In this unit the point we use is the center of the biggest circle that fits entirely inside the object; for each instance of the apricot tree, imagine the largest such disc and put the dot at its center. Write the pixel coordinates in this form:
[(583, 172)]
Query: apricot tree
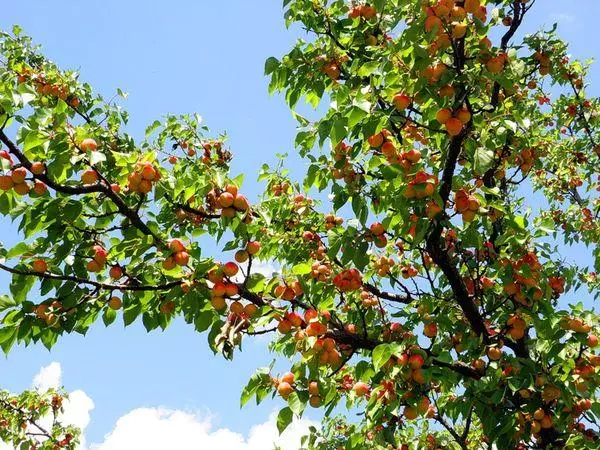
[(426, 293)]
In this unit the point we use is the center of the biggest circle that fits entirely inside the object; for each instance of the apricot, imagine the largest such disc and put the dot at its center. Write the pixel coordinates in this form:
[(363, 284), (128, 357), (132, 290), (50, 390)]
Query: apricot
[(39, 266), (361, 389), (430, 330), (89, 177), (241, 203), (241, 256), (443, 115), (453, 126), (175, 245), (401, 101), (253, 247), (410, 413), (230, 269), (284, 389), (181, 258), (169, 263), (38, 168), (39, 188), (314, 401), (18, 175), (115, 303), (416, 361), (88, 144), (6, 183), (375, 140), (218, 303)]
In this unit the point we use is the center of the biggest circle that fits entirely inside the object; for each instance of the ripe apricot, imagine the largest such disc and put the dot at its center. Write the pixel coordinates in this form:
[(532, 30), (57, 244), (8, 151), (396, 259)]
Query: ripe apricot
[(115, 303), (39, 266), (88, 144)]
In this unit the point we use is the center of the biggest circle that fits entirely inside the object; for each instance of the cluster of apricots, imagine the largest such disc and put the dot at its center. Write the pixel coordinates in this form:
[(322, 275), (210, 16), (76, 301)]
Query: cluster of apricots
[(522, 285), (453, 121), (465, 204), (98, 261), (407, 271), (421, 185), (368, 300), (332, 221), (544, 60), (577, 325), (366, 11), (326, 352), (279, 189), (45, 87), (341, 152), (321, 270), (516, 327), (230, 201), (16, 179), (348, 280), (525, 159), (495, 64), (178, 255), (377, 234), (383, 265), (331, 66), (238, 309), (288, 291), (142, 179), (449, 20)]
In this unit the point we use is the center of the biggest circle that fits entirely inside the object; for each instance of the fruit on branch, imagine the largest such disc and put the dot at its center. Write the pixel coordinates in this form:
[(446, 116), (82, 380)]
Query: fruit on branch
[(116, 272), (454, 126), (88, 145), (39, 266), (401, 101), (38, 168), (143, 177), (253, 247), (18, 175), (230, 269), (6, 183), (89, 176), (361, 389), (115, 303), (176, 246), (241, 256), (348, 280), (284, 389), (430, 330), (167, 307), (39, 188)]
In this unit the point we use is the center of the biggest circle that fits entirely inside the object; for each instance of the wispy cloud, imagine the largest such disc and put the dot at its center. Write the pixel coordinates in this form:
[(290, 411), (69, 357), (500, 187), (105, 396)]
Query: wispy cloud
[(562, 18)]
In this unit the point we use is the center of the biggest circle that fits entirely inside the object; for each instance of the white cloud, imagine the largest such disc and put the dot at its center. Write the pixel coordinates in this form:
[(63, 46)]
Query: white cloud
[(162, 428), (48, 377), (562, 18), (266, 268), (159, 428)]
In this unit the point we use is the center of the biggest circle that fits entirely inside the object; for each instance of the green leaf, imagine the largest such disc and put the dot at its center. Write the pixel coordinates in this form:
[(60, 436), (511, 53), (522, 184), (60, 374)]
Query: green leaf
[(284, 418), (381, 355), (297, 403), (6, 302), (18, 250), (301, 269), (483, 160), (271, 64), (109, 316)]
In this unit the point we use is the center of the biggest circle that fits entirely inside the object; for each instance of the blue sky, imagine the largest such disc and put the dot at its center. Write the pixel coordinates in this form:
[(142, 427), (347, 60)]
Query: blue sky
[(175, 57)]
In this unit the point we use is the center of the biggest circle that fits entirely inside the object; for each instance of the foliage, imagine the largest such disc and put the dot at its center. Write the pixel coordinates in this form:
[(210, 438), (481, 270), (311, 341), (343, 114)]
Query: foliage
[(428, 294)]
